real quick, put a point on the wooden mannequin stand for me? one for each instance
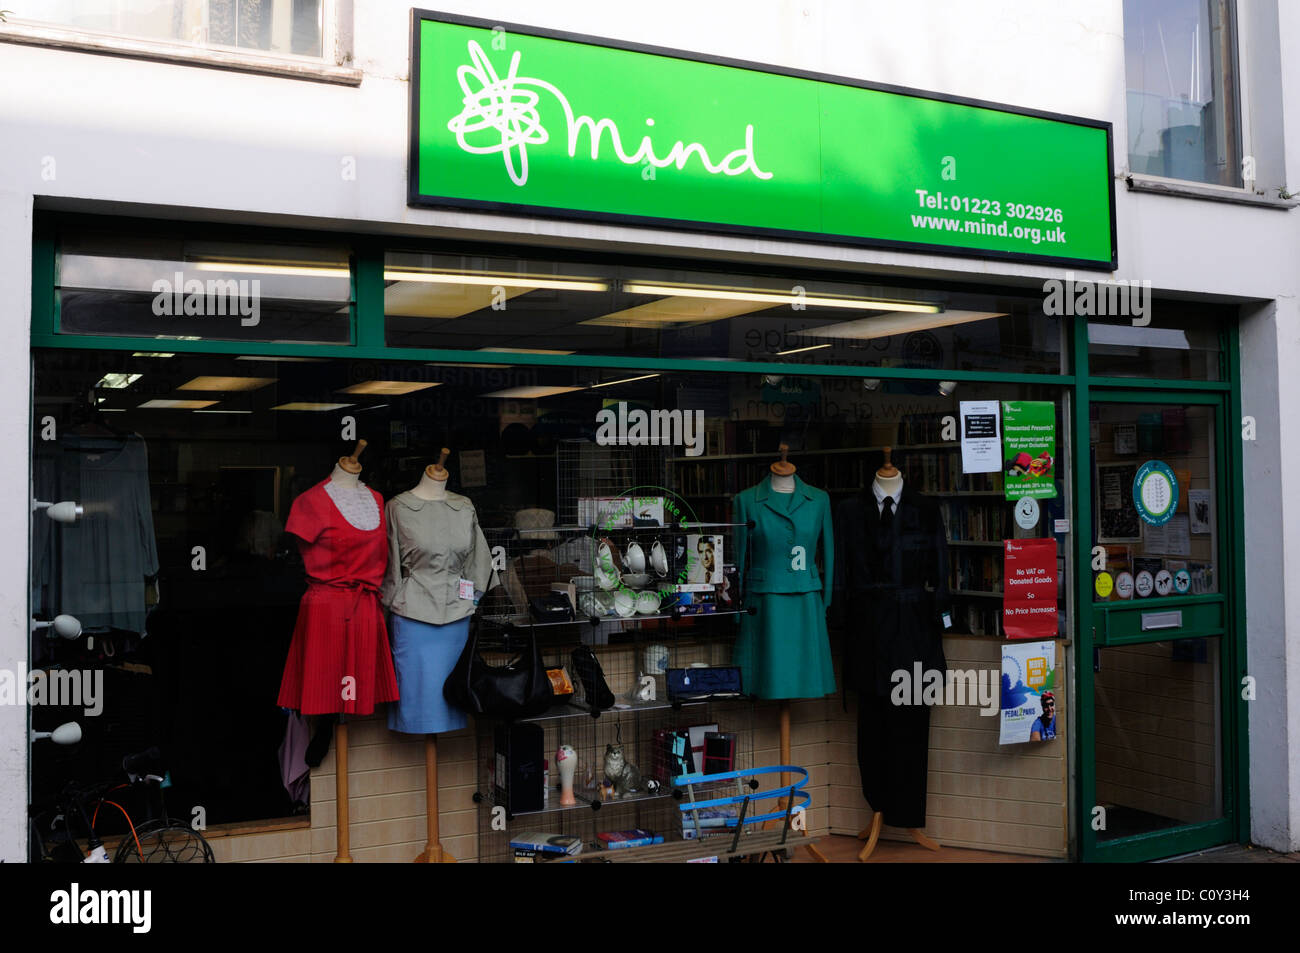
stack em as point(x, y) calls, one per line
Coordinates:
point(347, 465)
point(433, 852)
point(871, 834)
point(784, 468)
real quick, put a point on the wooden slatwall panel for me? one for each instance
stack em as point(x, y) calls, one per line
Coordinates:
point(1011, 798)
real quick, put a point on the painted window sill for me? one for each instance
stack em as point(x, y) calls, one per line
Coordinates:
point(1211, 193)
point(241, 61)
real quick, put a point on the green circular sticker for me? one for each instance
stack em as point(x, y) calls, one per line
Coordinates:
point(1104, 585)
point(1155, 492)
point(1182, 581)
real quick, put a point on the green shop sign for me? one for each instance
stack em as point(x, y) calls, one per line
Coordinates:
point(522, 119)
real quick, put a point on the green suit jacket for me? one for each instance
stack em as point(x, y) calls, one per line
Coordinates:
point(785, 542)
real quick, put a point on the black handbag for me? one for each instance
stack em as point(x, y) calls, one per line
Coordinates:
point(515, 690)
point(592, 676)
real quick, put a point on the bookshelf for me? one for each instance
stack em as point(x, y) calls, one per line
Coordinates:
point(976, 515)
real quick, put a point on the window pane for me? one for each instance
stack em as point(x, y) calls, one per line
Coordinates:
point(189, 289)
point(1148, 560)
point(488, 303)
point(1183, 113)
point(1180, 342)
point(1158, 750)
point(292, 27)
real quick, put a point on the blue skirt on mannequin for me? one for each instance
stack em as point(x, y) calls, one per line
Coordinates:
point(424, 655)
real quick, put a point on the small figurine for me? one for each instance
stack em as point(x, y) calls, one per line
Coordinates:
point(623, 775)
point(567, 761)
point(606, 791)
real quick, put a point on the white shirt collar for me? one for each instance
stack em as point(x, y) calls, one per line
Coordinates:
point(881, 494)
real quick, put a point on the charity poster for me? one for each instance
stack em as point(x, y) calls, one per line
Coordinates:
point(1029, 448)
point(1030, 711)
point(981, 444)
point(1029, 589)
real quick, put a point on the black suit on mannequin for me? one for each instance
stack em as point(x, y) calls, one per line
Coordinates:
point(894, 573)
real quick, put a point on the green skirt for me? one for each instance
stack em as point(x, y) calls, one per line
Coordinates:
point(783, 650)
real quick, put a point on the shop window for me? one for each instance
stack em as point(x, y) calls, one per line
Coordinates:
point(296, 28)
point(497, 304)
point(1178, 341)
point(190, 289)
point(1163, 544)
point(188, 466)
point(1184, 110)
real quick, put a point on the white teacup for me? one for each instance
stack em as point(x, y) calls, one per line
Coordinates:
point(659, 558)
point(634, 558)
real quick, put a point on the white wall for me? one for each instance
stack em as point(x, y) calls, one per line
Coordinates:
point(271, 151)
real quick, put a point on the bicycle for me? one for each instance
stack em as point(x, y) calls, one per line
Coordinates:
point(57, 831)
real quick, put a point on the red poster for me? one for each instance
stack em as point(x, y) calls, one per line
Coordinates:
point(1029, 589)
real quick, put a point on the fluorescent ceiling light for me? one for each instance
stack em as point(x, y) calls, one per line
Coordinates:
point(117, 381)
point(527, 282)
point(178, 337)
point(532, 391)
point(523, 350)
point(883, 325)
point(219, 383)
point(167, 404)
point(256, 268)
point(468, 364)
point(775, 297)
point(282, 360)
point(309, 405)
point(1126, 335)
point(223, 411)
point(684, 312)
point(395, 388)
point(625, 380)
point(151, 354)
point(112, 410)
point(800, 350)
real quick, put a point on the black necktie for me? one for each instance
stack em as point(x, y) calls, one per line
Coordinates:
point(887, 516)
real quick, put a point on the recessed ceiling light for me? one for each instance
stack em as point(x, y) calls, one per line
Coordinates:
point(505, 281)
point(884, 325)
point(775, 297)
point(625, 380)
point(117, 381)
point(309, 405)
point(800, 350)
point(531, 392)
point(166, 404)
point(282, 360)
point(256, 268)
point(394, 388)
point(219, 383)
point(523, 350)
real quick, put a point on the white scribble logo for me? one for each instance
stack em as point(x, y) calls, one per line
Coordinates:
point(504, 113)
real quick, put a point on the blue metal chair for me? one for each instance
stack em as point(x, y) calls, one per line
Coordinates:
point(793, 792)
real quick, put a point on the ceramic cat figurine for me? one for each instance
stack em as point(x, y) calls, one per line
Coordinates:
point(619, 772)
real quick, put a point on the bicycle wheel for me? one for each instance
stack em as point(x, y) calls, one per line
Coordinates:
point(164, 842)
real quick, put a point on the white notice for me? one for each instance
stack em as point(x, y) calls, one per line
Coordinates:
point(981, 437)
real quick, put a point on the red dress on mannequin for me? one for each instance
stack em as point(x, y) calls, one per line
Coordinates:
point(340, 631)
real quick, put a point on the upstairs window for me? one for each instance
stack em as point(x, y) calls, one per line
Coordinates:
point(1184, 108)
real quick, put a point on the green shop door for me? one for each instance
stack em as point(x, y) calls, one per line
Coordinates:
point(1160, 661)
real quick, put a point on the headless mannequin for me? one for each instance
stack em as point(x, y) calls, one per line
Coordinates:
point(890, 482)
point(432, 486)
point(783, 482)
